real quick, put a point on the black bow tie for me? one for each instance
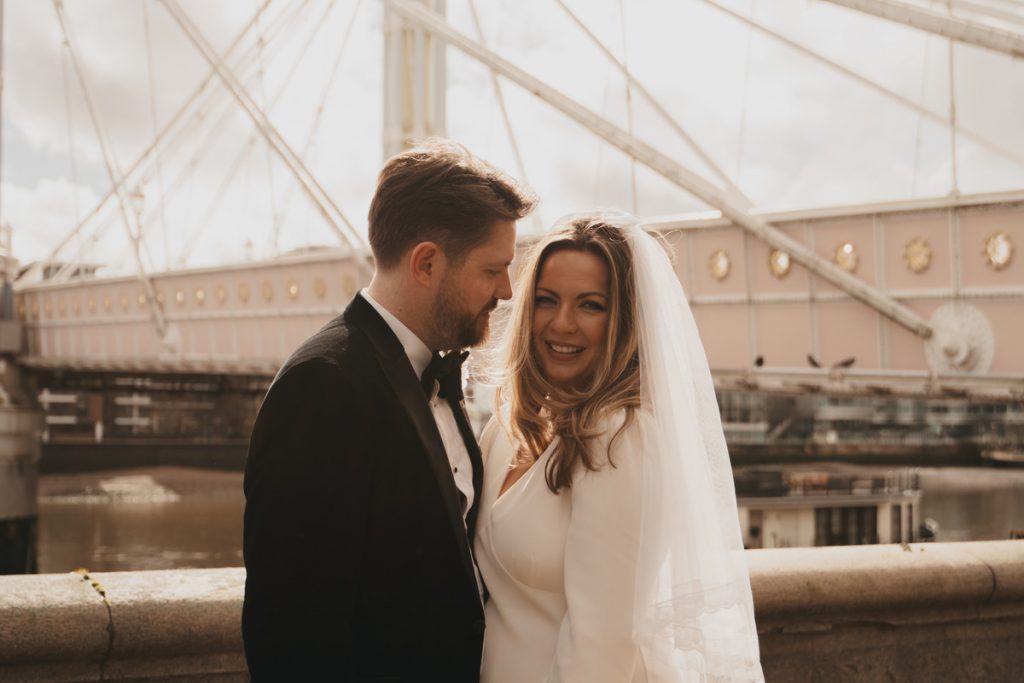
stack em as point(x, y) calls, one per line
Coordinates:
point(447, 370)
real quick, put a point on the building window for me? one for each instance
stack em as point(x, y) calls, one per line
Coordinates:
point(896, 517)
point(846, 526)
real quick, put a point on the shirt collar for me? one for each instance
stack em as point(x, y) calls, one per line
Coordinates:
point(418, 352)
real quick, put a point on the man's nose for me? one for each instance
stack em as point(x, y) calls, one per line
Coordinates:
point(504, 290)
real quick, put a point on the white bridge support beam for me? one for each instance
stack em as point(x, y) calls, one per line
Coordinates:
point(669, 169)
point(330, 211)
point(414, 81)
point(940, 24)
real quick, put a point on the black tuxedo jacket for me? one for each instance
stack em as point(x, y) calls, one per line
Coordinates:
point(358, 563)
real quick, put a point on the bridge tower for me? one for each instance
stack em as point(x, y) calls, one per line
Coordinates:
point(414, 80)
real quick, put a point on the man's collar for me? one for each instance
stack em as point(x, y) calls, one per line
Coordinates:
point(418, 352)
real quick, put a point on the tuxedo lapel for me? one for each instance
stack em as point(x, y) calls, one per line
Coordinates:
point(399, 372)
point(473, 448)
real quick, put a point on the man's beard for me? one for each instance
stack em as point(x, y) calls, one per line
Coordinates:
point(455, 327)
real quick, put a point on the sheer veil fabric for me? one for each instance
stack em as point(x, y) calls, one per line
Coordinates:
point(693, 609)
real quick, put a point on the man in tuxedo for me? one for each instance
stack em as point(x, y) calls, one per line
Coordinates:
point(363, 472)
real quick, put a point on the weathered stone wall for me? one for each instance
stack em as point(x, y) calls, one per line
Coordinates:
point(927, 612)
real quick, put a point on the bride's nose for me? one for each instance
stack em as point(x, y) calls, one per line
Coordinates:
point(564, 320)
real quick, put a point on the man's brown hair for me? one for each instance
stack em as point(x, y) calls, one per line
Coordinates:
point(440, 192)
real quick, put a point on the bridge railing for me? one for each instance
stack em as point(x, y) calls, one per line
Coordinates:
point(923, 612)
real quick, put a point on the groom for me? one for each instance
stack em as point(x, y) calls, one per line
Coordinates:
point(363, 473)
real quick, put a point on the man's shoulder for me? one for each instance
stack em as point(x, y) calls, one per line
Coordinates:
point(338, 344)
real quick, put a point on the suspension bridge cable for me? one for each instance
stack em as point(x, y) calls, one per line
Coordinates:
point(723, 178)
point(216, 101)
point(113, 171)
point(153, 116)
point(955, 190)
point(72, 153)
point(260, 73)
point(499, 94)
point(863, 80)
point(308, 150)
point(742, 134)
point(213, 98)
point(920, 118)
point(629, 101)
point(171, 123)
point(328, 208)
point(218, 196)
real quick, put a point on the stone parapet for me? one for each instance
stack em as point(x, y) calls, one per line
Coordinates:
point(924, 612)
point(920, 612)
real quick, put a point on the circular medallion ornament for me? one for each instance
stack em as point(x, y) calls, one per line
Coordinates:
point(62, 306)
point(319, 287)
point(962, 340)
point(76, 306)
point(917, 254)
point(779, 263)
point(293, 289)
point(142, 299)
point(719, 264)
point(348, 284)
point(179, 297)
point(222, 294)
point(268, 291)
point(160, 297)
point(21, 308)
point(243, 293)
point(200, 296)
point(108, 303)
point(124, 302)
point(846, 257)
point(998, 250)
point(35, 308)
point(48, 307)
point(92, 304)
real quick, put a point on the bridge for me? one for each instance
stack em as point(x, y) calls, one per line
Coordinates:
point(916, 299)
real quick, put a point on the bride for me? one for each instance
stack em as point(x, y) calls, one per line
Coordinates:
point(608, 536)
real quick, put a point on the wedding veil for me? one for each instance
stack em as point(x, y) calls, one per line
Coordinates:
point(693, 607)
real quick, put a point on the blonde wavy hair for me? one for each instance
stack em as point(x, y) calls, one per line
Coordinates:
point(538, 410)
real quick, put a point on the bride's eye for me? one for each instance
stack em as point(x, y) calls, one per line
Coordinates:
point(592, 305)
point(543, 299)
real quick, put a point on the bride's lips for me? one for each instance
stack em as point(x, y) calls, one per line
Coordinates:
point(560, 351)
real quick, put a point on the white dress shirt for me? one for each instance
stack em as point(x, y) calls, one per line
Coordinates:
point(419, 356)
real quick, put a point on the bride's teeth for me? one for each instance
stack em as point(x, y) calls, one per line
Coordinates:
point(565, 349)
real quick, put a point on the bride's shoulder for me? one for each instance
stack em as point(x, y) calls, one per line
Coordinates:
point(622, 433)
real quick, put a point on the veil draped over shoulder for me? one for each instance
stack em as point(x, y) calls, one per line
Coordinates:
point(693, 610)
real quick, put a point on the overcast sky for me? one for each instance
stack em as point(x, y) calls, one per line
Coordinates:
point(790, 132)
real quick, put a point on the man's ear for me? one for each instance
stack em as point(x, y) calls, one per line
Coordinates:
point(426, 263)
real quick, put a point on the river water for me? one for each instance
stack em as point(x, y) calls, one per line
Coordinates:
point(169, 517)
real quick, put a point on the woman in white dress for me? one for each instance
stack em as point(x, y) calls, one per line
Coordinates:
point(608, 537)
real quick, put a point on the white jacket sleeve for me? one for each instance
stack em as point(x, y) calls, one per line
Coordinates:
point(595, 643)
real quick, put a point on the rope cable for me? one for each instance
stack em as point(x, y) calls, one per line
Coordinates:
point(499, 95)
point(308, 150)
point(150, 71)
point(744, 93)
point(629, 102)
point(952, 112)
point(260, 72)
